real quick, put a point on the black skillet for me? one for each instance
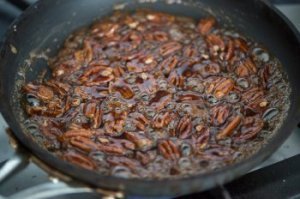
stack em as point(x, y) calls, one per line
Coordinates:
point(44, 26)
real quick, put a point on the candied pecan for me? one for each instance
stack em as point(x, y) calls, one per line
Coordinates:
point(216, 42)
point(80, 160)
point(140, 121)
point(107, 29)
point(161, 119)
point(169, 48)
point(189, 97)
point(201, 137)
point(190, 51)
point(252, 94)
point(158, 17)
point(144, 158)
point(94, 92)
point(141, 141)
point(168, 64)
point(124, 90)
point(265, 74)
point(114, 128)
point(61, 88)
point(96, 75)
point(78, 133)
point(160, 36)
point(207, 69)
point(205, 25)
point(160, 100)
point(84, 144)
point(42, 92)
point(128, 162)
point(229, 50)
point(114, 146)
point(176, 79)
point(223, 87)
point(246, 68)
point(168, 149)
point(241, 44)
point(228, 130)
point(251, 126)
point(93, 111)
point(184, 127)
point(219, 114)
point(86, 54)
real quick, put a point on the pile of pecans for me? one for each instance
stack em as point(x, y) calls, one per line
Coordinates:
point(152, 95)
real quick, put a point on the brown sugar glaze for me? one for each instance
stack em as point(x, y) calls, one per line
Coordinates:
point(152, 95)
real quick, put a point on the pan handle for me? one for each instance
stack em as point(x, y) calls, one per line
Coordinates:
point(21, 4)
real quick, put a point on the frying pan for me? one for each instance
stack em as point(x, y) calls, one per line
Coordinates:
point(42, 28)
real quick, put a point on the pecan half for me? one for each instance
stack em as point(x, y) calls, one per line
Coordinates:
point(201, 137)
point(246, 68)
point(96, 75)
point(169, 48)
point(223, 87)
point(168, 64)
point(168, 149)
point(160, 99)
point(205, 25)
point(84, 144)
point(141, 141)
point(80, 160)
point(207, 69)
point(219, 114)
point(162, 119)
point(228, 130)
point(184, 127)
point(250, 128)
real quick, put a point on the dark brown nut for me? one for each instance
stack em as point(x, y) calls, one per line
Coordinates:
point(189, 97)
point(114, 146)
point(207, 69)
point(228, 130)
point(219, 153)
point(107, 29)
point(205, 25)
point(265, 74)
point(246, 68)
point(161, 18)
point(78, 133)
point(45, 93)
point(118, 71)
point(251, 126)
point(223, 87)
point(252, 94)
point(176, 79)
point(80, 160)
point(124, 90)
point(42, 92)
point(61, 88)
point(169, 48)
point(144, 158)
point(84, 144)
point(141, 141)
point(160, 100)
point(160, 36)
point(215, 42)
point(168, 64)
point(241, 44)
point(190, 51)
point(96, 75)
point(161, 120)
point(93, 92)
point(114, 128)
point(229, 50)
point(128, 162)
point(184, 127)
point(169, 150)
point(140, 121)
point(219, 114)
point(85, 55)
point(201, 137)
